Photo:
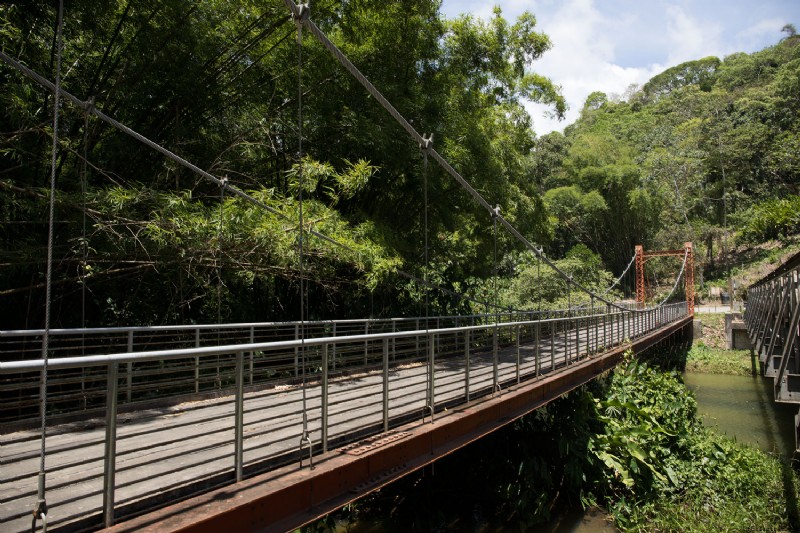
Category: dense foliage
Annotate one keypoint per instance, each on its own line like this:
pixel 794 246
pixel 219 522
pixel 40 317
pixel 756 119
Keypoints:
pixel 631 442
pixel 216 82
pixel 664 471
pixel 704 152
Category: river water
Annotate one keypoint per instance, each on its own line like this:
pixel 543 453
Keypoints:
pixel 742 408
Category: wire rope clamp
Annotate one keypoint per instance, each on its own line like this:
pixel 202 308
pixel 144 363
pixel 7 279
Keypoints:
pixel 496 211
pixel 427 143
pixel 301 13
pixel 88 105
pixel 40 510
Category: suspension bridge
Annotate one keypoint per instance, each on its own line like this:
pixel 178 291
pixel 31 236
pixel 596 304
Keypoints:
pixel 267 426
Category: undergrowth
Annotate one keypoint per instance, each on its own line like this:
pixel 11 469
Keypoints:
pixel 709 360
pixel 664 471
pixel 630 443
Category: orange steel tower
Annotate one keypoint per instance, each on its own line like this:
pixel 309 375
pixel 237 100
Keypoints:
pixel 642 256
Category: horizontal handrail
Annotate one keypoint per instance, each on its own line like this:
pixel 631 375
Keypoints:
pixel 155 355
pixel 232 325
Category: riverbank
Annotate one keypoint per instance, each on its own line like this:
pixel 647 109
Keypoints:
pixel 709 354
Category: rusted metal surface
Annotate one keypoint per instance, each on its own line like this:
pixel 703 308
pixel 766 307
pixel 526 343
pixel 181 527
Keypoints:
pixel 368 444
pixel 288 498
pixel 642 256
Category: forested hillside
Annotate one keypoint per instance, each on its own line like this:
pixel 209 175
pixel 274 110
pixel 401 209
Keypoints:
pixel 705 145
pixel 140 239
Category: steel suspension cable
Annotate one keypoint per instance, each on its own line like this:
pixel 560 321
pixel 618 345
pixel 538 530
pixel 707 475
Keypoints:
pixel 677 280
pixel 425 146
pixel 375 93
pixel 619 279
pixel 218 265
pixel 429 375
pixel 539 282
pixel 219 251
pixel 40 511
pixel 616 281
pixel 84 242
pixel 305 437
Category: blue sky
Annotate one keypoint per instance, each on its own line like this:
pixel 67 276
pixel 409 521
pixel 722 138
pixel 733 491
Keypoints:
pixel 607 45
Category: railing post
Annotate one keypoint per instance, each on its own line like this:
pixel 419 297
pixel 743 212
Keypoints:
pixel 622 323
pixel 239 416
pixel 431 376
pixel 110 456
pixel 553 329
pixel 296 349
pixel 333 349
pixel 324 397
pixel 385 385
pixel 438 338
pixel 252 354
pixel 197 362
pixel 466 364
pixel 518 354
pixel 538 352
pixel 366 343
pixel 129 370
pixel 495 376
pixel 416 338
pixel 456 337
pixel 394 341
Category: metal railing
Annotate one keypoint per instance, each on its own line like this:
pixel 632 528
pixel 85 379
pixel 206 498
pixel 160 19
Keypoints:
pixel 75 392
pixel 355 385
pixel 772 318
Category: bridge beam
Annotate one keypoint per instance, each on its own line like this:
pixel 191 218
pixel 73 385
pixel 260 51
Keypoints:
pixel 289 497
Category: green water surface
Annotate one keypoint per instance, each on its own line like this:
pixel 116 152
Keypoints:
pixel 742 408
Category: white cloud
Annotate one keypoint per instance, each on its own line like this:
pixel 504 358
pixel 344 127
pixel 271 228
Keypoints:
pixel 605 45
pixel 690 38
pixel 753 36
pixel 583 60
